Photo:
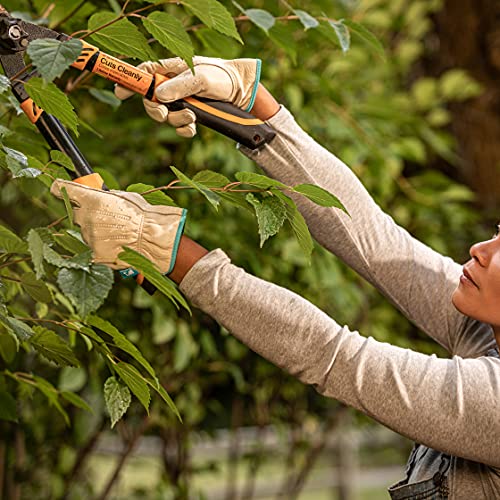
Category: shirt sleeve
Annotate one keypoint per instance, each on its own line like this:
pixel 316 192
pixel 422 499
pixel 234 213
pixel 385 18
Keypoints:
pixel 418 280
pixel 451 405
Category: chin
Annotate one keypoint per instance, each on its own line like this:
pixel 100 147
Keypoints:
pixel 461 303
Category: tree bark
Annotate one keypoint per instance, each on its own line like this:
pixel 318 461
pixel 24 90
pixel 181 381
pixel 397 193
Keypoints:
pixel 468 37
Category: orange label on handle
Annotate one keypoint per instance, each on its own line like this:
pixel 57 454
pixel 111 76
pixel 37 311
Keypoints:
pixel 123 73
pixel 32 111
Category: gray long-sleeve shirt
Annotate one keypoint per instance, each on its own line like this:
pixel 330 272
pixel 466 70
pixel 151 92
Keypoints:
pixel 449 405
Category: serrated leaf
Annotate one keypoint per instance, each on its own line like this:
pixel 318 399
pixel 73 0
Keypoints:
pixel 367 36
pixel 4 84
pixel 80 261
pixel 8 410
pixel 135 382
pixel 259 181
pixel 36 288
pixel 306 19
pixel 170 33
pixel 261 18
pixel 120 341
pixel 76 400
pixel 149 270
pixel 53 347
pixel 122 37
pixel 106 96
pixel 11 243
pixel 271 214
pixel 213 198
pixel 214 15
pixel 155 198
pixel 52 57
pixel 319 196
pixel 15 160
pixel 298 225
pixel 117 397
pixel 343 35
pixel 21 330
pixel 87 290
pixel 52 100
pixel 28 173
pixel 62 159
pixel 211 179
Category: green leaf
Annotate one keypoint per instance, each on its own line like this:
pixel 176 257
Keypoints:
pixel 87 290
pixel 319 196
pixel 343 35
pixel 117 397
pixel 214 15
pixel 259 181
pixel 76 400
pixel 15 160
pixel 261 18
pixel 53 101
pixel 11 243
pixel 298 225
pixel 81 261
pixel 53 347
pixel 155 198
pixel 306 19
pixel 8 410
pixel 52 395
pixel 22 331
pixel 150 271
pixel 213 198
pixel 120 341
pixel 36 288
pixel 271 214
pixel 366 36
pixel 52 57
pixel 67 205
pixel 72 379
pixel 106 96
pixel 9 346
pixel 38 239
pixel 4 84
pixel 62 159
pixel 170 32
pixel 211 179
pixel 122 37
pixel 135 382
pixel 165 396
pixel 28 173
pixel 70 242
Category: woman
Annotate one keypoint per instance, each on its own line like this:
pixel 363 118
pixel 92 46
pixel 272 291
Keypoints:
pixel 450 407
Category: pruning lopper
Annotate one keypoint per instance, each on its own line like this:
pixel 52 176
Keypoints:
pixel 15 36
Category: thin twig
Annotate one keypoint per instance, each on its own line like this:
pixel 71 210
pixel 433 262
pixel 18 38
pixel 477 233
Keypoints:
pixel 70 15
pixel 11 262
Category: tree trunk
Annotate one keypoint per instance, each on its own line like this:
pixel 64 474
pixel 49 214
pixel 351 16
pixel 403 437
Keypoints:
pixel 468 34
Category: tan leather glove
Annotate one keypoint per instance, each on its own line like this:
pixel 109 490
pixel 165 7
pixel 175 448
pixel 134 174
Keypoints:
pixel 111 220
pixel 233 81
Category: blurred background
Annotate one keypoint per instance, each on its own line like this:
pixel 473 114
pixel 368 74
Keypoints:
pixel 420 125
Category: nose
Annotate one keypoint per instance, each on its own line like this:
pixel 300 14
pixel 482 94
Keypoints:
pixel 481 252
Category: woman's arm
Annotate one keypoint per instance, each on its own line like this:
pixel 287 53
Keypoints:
pixel 449 405
pixel 418 280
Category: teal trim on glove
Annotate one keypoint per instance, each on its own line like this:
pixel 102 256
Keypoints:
pixel 180 231
pixel 255 86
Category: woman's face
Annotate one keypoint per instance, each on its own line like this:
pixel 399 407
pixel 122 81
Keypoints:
pixel 478 293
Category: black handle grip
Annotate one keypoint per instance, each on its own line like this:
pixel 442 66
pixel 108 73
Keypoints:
pixel 228 120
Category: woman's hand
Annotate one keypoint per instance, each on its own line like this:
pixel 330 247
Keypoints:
pixel 235 81
pixel 111 220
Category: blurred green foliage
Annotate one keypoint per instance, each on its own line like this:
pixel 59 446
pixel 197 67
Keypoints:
pixel 373 109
